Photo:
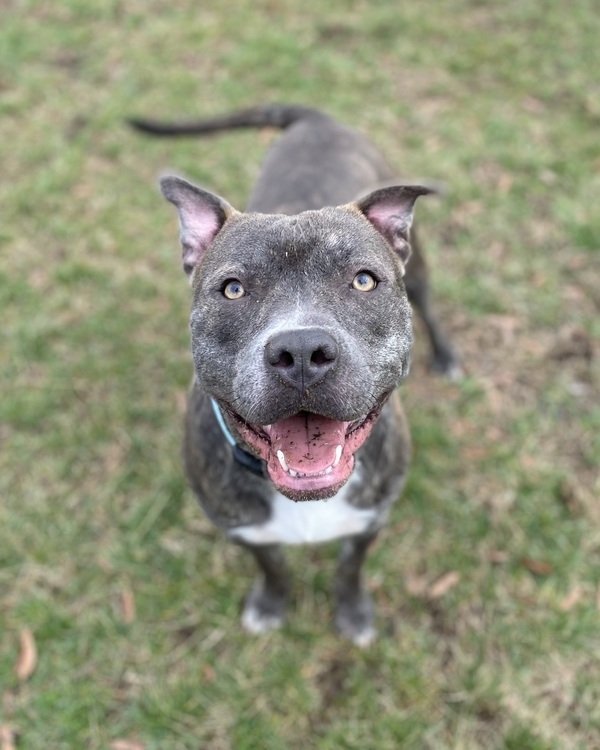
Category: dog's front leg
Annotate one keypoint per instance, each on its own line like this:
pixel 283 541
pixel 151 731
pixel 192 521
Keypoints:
pixel 354 611
pixel 443 357
pixel 266 604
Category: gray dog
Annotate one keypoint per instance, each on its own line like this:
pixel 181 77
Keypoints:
pixel 301 332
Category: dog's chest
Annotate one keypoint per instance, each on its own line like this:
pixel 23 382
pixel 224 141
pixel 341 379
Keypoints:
pixel 309 522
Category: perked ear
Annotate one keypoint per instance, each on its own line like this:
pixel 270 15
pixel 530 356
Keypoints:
pixel 390 210
pixel 201 216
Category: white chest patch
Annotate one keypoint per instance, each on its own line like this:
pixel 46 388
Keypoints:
pixel 308 522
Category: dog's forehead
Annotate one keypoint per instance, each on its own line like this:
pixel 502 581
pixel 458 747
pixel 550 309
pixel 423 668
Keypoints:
pixel 302 237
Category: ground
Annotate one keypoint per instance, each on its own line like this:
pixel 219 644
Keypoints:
pixel 120 602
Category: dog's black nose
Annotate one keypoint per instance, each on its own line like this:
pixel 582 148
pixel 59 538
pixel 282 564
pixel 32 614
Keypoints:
pixel 302 357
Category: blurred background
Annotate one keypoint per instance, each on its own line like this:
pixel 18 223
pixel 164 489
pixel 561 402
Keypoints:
pixel 119 602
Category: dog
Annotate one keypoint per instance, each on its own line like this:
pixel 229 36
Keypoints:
pixel 301 332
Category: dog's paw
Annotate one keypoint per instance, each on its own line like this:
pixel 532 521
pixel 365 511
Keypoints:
pixel 356 621
pixel 263 612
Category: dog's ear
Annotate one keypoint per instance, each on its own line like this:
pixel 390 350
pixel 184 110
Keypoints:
pixel 201 216
pixel 390 210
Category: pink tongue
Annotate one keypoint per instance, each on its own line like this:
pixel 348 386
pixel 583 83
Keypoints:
pixel 308 441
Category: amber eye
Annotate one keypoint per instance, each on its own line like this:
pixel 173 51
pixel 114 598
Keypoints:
pixel 364 282
pixel 233 289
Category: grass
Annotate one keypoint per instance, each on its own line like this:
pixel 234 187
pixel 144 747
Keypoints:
pixel 132 597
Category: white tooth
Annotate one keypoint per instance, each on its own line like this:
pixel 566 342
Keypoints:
pixel 292 473
pixel 338 455
pixel 328 470
pixel 281 458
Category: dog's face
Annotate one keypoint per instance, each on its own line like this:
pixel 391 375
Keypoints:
pixel 300 325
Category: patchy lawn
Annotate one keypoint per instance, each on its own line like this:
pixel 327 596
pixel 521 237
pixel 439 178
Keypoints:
pixel 119 602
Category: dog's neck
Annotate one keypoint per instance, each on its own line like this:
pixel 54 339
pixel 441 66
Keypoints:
pixel 244 458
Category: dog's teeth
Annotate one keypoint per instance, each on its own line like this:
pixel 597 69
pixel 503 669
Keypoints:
pixel 281 457
pixel 301 474
pixel 338 455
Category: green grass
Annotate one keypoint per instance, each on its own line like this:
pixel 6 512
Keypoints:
pixel 498 102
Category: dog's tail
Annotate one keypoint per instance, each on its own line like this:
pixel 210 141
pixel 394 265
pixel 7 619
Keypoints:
pixel 270 115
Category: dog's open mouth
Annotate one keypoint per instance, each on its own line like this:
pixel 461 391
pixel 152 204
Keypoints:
pixel 309 457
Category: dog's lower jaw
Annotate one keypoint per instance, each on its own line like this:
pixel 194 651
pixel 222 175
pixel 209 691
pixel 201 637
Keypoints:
pixel 319 493
pixel 308 456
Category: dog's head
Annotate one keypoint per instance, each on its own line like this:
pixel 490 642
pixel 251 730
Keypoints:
pixel 300 325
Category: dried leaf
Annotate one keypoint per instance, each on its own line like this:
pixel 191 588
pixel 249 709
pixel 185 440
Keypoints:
pixel 475 452
pixel 7 737
pixel 27 661
pixel 570 495
pixel 416 585
pixel 533 106
pixel 572 599
pixel 128 605
pixel 443 584
pixel 497 556
pixel 539 567
pixel 126 745
pixel 208 673
pixel 505 183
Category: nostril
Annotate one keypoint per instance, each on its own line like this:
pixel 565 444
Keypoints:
pixel 284 360
pixel 319 358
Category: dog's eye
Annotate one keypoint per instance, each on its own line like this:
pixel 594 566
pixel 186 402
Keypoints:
pixel 364 282
pixel 233 289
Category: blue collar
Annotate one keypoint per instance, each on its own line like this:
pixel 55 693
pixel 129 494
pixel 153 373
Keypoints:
pixel 247 460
